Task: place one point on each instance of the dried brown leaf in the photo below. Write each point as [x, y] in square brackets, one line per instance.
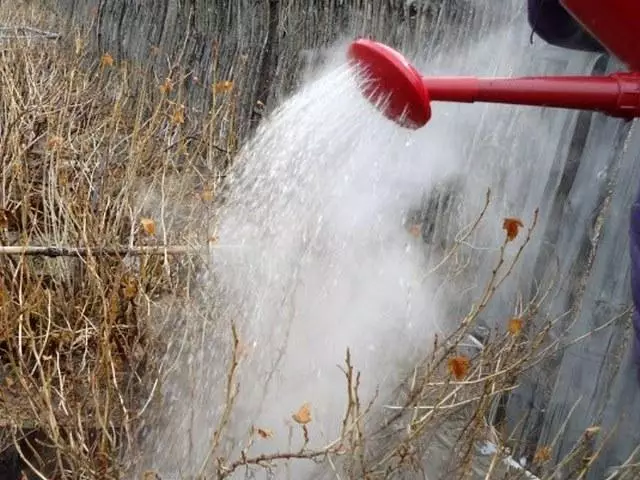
[542, 455]
[106, 60]
[207, 195]
[459, 366]
[129, 288]
[264, 433]
[167, 86]
[303, 415]
[54, 142]
[515, 326]
[148, 225]
[177, 117]
[512, 226]
[222, 87]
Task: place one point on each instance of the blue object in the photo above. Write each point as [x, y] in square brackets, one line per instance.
[551, 22]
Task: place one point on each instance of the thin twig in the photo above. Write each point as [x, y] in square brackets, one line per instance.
[52, 251]
[26, 32]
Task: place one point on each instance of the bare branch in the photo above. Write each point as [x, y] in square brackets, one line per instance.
[52, 251]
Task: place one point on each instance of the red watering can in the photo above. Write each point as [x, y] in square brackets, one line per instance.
[408, 94]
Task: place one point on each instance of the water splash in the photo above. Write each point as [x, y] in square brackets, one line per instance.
[320, 202]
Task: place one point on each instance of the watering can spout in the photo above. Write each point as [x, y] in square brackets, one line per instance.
[405, 96]
[392, 83]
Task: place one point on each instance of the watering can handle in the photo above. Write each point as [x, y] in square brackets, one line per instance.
[617, 95]
[615, 23]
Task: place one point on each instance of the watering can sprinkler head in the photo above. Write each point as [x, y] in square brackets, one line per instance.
[392, 83]
[405, 96]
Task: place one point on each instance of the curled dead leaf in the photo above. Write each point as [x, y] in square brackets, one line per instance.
[106, 60]
[303, 415]
[129, 288]
[167, 86]
[54, 143]
[207, 195]
[148, 225]
[459, 366]
[542, 455]
[177, 118]
[515, 326]
[222, 87]
[512, 226]
[264, 433]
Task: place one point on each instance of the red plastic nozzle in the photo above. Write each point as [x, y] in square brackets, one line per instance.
[391, 77]
[392, 83]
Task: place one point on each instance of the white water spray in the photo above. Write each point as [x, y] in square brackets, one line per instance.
[317, 206]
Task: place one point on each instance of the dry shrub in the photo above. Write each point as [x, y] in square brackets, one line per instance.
[100, 161]
[448, 415]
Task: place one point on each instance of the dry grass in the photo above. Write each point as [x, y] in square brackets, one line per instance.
[102, 168]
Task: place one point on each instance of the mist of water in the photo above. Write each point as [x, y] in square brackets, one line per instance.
[319, 206]
[316, 210]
